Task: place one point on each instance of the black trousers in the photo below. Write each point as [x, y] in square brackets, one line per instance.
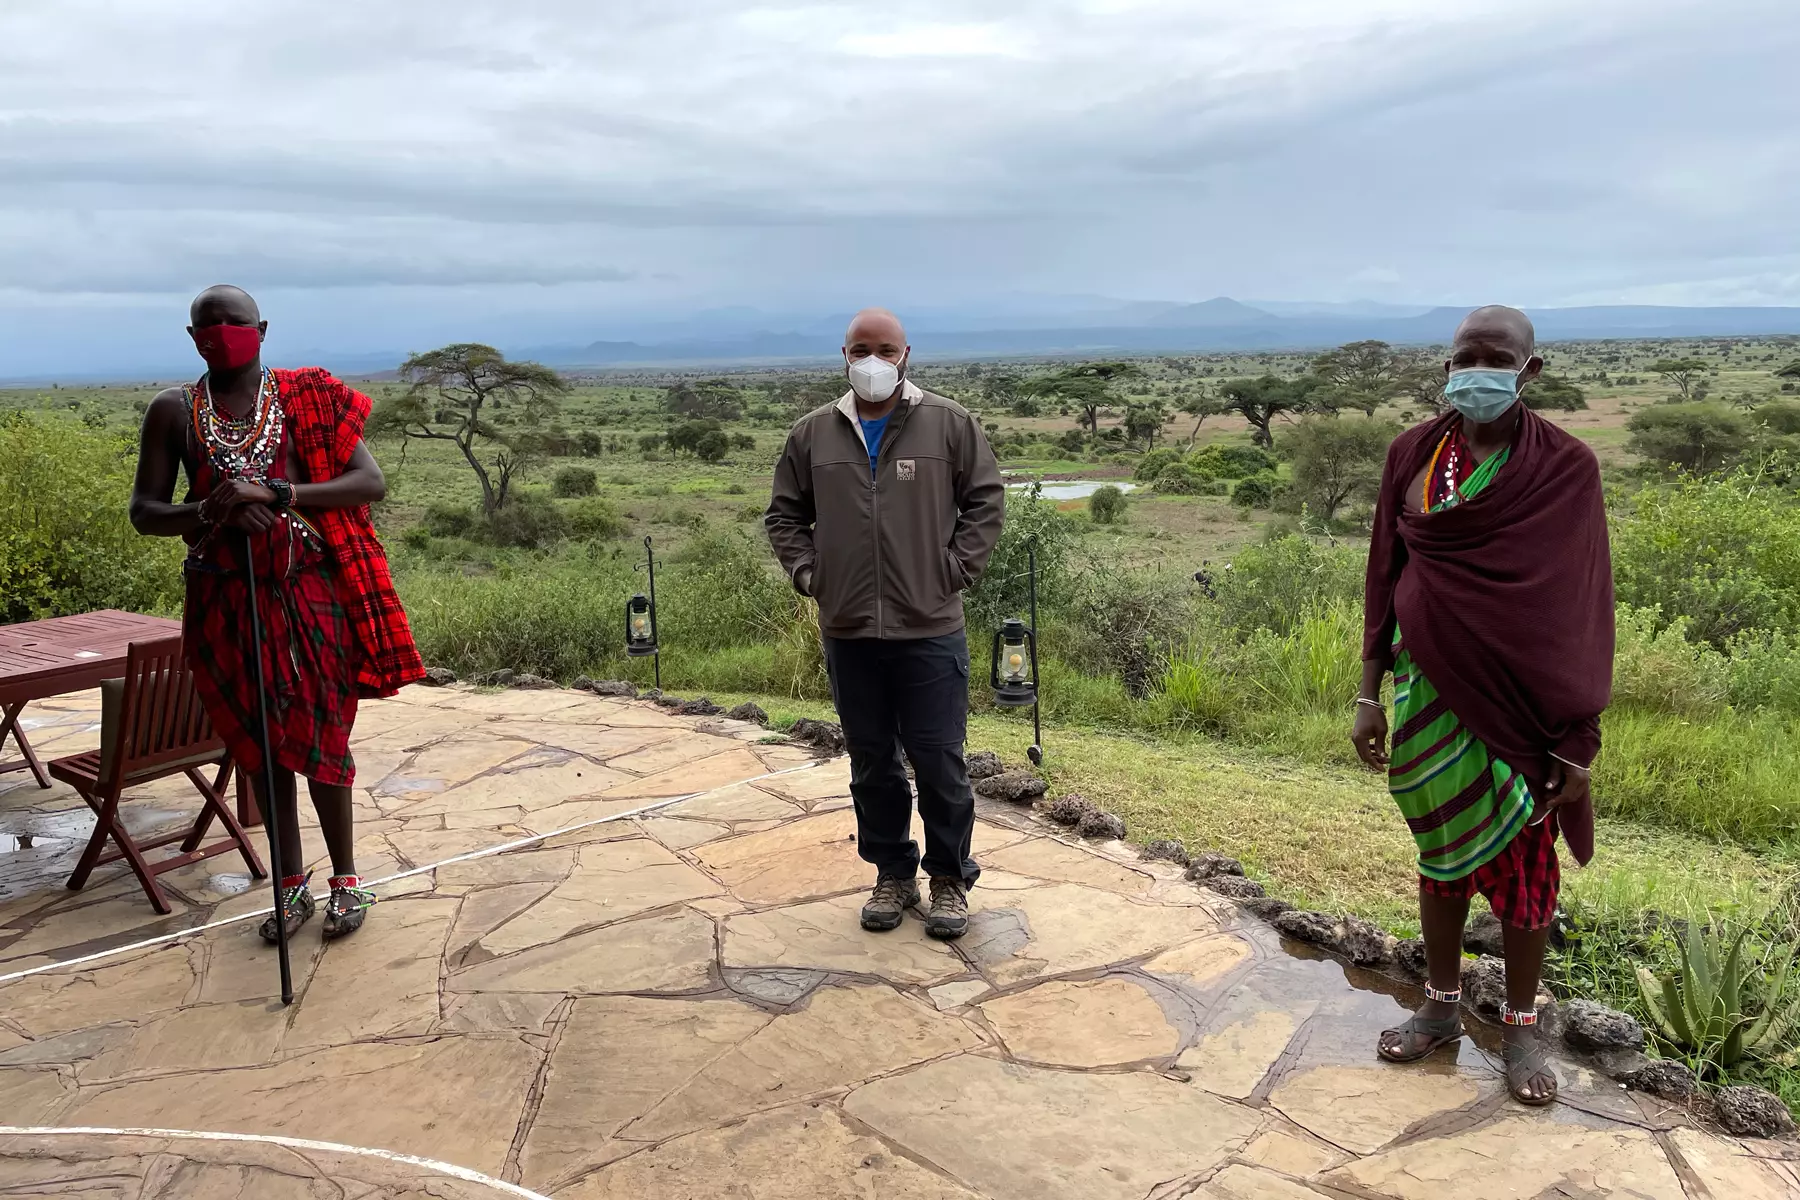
[913, 696]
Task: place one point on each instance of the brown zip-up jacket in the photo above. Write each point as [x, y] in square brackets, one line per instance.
[887, 557]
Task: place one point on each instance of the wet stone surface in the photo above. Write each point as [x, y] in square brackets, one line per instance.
[682, 1005]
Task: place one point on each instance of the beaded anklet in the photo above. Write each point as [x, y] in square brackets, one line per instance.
[1450, 997]
[1512, 1016]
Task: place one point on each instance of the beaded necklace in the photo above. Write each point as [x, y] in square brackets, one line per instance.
[240, 447]
[1453, 453]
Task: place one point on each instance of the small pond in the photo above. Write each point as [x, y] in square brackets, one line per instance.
[1072, 489]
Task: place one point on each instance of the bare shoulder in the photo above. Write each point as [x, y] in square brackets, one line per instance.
[168, 407]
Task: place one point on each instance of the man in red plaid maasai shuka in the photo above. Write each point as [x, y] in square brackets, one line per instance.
[276, 466]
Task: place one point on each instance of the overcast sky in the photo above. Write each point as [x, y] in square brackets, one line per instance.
[401, 174]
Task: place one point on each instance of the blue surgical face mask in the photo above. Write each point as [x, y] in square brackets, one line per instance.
[1482, 395]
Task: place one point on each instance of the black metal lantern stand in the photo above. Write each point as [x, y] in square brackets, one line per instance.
[640, 618]
[1013, 673]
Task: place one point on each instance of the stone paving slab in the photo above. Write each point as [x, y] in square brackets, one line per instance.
[680, 1004]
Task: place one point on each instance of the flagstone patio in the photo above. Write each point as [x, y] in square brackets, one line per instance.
[659, 989]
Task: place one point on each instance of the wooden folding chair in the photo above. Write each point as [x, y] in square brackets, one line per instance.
[153, 725]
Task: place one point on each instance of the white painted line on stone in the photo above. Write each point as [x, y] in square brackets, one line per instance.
[473, 854]
[443, 1168]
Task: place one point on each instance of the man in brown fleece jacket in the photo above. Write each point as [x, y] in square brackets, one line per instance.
[886, 505]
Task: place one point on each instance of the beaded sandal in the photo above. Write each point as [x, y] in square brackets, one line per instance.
[1427, 1034]
[1526, 1061]
[348, 905]
[297, 904]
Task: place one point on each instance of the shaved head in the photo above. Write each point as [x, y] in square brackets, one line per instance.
[223, 304]
[1496, 324]
[874, 327]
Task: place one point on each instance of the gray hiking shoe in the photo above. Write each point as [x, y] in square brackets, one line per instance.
[888, 903]
[949, 915]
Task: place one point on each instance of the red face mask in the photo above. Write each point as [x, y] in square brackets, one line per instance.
[228, 347]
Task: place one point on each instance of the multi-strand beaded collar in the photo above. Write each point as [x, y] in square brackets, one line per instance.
[240, 447]
[1449, 467]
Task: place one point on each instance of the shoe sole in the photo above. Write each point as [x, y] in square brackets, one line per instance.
[946, 933]
[882, 924]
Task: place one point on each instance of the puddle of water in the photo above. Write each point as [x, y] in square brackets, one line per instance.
[1076, 489]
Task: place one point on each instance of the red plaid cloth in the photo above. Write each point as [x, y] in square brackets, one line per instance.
[325, 420]
[1521, 885]
[307, 662]
[309, 658]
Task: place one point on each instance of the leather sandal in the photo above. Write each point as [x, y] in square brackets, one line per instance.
[1429, 1034]
[1526, 1061]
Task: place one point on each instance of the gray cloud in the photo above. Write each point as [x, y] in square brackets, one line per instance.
[660, 156]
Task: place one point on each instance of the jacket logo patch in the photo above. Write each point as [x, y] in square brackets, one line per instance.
[905, 468]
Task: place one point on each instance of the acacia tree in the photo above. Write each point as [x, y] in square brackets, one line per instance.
[1200, 404]
[1362, 374]
[1259, 401]
[1549, 391]
[1144, 418]
[491, 409]
[1087, 386]
[1336, 462]
[717, 399]
[1682, 372]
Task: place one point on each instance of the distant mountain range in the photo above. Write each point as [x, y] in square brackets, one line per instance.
[1012, 327]
[1221, 324]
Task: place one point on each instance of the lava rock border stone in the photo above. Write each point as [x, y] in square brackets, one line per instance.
[749, 711]
[827, 737]
[1015, 787]
[984, 764]
[1068, 810]
[438, 676]
[1751, 1112]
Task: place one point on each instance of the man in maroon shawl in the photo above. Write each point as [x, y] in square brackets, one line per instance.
[276, 468]
[1489, 596]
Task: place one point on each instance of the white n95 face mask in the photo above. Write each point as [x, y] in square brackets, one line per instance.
[874, 379]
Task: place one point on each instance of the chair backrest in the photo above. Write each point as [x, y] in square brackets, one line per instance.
[161, 718]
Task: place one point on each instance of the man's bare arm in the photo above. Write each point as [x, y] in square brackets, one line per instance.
[159, 465]
[361, 483]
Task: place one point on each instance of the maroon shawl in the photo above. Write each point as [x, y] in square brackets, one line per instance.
[1505, 601]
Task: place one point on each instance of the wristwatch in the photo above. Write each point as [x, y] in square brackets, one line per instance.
[284, 492]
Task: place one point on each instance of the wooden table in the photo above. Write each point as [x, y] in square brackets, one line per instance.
[61, 655]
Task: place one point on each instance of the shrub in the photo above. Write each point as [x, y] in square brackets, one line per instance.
[1272, 585]
[1107, 505]
[1656, 668]
[743, 441]
[450, 520]
[1181, 479]
[66, 541]
[1254, 491]
[649, 443]
[1003, 589]
[529, 521]
[712, 446]
[1764, 672]
[1232, 462]
[1725, 554]
[1696, 437]
[1153, 464]
[1127, 623]
[589, 443]
[570, 482]
[594, 518]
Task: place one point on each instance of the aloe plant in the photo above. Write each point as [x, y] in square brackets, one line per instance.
[1718, 1008]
